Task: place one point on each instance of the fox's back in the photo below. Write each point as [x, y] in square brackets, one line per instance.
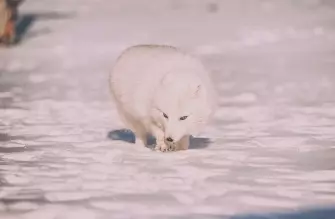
[143, 65]
[139, 70]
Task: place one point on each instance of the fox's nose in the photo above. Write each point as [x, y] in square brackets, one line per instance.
[169, 139]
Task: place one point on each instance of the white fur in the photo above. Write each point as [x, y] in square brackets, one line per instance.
[150, 80]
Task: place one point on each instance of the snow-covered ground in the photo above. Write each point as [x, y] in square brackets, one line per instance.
[270, 148]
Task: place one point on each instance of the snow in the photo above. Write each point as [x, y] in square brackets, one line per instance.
[269, 150]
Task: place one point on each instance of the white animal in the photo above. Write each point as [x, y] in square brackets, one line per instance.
[162, 91]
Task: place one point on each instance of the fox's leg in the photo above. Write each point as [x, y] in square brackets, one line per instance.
[133, 125]
[183, 143]
[140, 132]
[138, 129]
[159, 135]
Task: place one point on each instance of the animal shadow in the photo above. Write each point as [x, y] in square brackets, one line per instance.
[128, 136]
[26, 20]
[199, 143]
[315, 213]
[125, 135]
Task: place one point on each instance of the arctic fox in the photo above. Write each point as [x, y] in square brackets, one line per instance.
[162, 91]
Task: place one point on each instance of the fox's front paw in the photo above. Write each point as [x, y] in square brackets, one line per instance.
[184, 143]
[165, 148]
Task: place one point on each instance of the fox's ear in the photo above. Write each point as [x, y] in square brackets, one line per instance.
[197, 91]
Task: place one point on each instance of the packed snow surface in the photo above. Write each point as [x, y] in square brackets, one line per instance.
[269, 150]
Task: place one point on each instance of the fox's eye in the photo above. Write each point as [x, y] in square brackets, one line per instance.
[166, 117]
[183, 118]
